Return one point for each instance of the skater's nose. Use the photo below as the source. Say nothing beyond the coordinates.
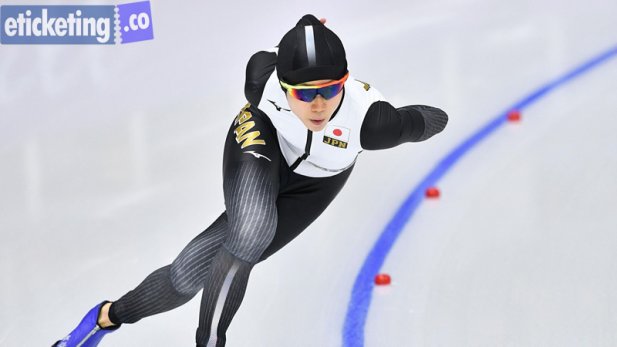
(318, 104)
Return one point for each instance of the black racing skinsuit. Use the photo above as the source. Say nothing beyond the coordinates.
(267, 206)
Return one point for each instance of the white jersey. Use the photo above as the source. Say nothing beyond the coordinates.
(331, 150)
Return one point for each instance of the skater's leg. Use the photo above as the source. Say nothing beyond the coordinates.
(300, 202)
(251, 189)
(154, 295)
(173, 285)
(103, 319)
(222, 297)
(251, 181)
(163, 290)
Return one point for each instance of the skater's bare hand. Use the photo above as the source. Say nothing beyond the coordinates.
(322, 20)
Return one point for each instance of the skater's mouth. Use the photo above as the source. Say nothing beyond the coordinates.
(317, 122)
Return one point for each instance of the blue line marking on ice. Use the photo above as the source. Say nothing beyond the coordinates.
(361, 294)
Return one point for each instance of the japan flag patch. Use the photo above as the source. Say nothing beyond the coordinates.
(336, 136)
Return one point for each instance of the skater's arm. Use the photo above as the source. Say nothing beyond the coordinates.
(258, 70)
(385, 126)
(250, 184)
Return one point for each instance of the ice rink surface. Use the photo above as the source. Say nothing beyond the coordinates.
(110, 162)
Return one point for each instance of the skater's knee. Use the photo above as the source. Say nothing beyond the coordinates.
(190, 268)
(186, 281)
(249, 246)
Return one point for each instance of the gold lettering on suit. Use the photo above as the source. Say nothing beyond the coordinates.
(242, 131)
(366, 85)
(334, 142)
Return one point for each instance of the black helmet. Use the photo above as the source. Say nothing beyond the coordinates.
(310, 52)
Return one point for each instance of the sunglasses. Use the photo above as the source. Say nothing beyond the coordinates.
(309, 93)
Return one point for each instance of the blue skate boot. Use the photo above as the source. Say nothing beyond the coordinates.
(88, 333)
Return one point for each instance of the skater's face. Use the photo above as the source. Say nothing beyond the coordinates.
(314, 114)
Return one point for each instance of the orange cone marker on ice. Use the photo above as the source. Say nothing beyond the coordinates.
(382, 279)
(514, 116)
(432, 193)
